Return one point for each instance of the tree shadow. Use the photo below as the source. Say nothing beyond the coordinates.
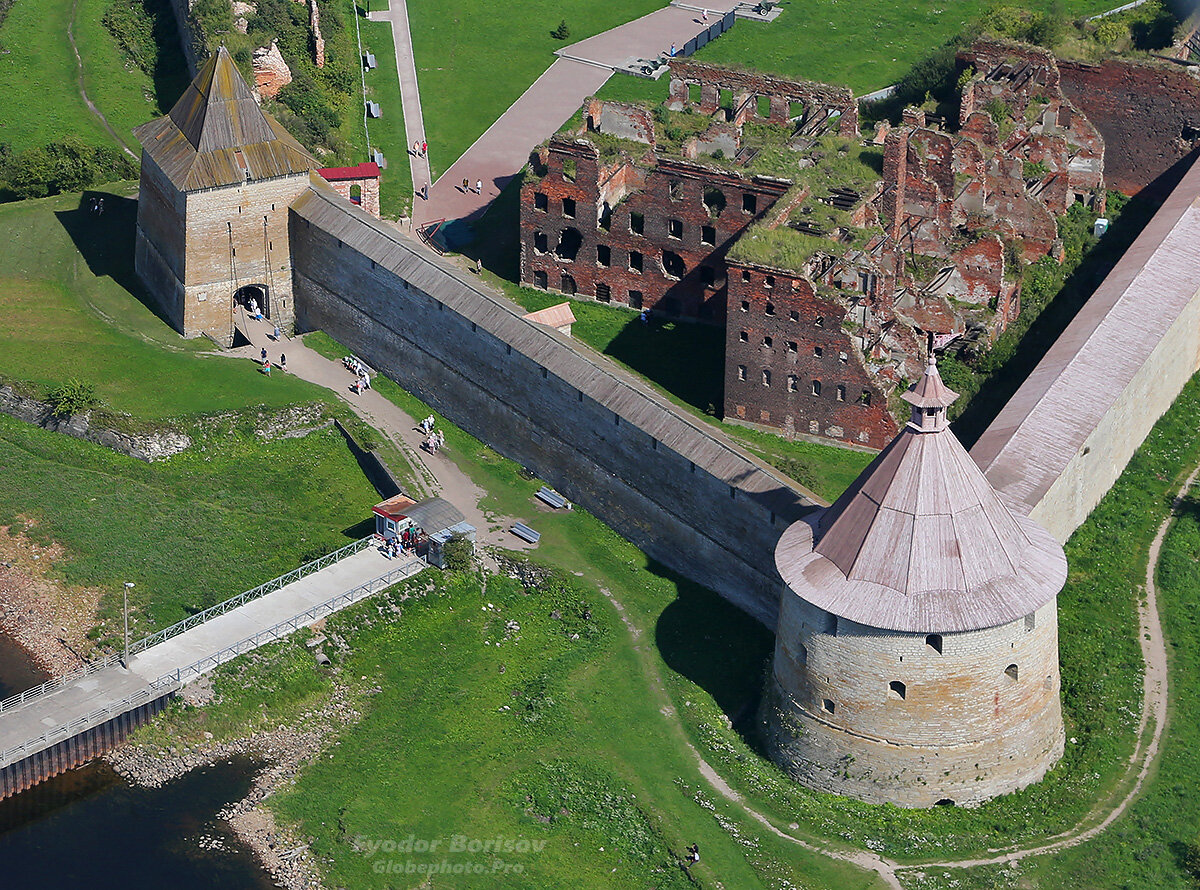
(106, 241)
(715, 645)
(170, 75)
(1000, 386)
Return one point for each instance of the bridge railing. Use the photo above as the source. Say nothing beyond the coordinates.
(152, 692)
(56, 683)
(291, 625)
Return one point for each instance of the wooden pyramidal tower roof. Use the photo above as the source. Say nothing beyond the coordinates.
(921, 542)
(216, 135)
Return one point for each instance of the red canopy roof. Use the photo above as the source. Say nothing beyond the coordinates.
(365, 170)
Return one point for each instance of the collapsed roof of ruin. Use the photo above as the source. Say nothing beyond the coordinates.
(920, 542)
(216, 135)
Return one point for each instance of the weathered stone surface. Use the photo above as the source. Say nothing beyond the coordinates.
(271, 73)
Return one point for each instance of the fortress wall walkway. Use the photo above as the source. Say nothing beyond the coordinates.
(1068, 432)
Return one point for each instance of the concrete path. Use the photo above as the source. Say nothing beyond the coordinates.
(436, 474)
(581, 69)
(410, 95)
(110, 686)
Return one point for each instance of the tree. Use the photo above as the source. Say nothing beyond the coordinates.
(458, 554)
(562, 32)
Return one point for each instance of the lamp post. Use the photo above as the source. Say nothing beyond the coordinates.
(125, 651)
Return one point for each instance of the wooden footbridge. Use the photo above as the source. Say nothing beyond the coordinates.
(72, 719)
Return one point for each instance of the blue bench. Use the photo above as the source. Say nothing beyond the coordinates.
(525, 533)
(552, 497)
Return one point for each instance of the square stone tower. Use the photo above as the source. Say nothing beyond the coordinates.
(218, 175)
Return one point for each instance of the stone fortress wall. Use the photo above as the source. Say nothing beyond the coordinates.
(955, 717)
(665, 481)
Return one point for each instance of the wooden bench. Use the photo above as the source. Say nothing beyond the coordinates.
(552, 497)
(525, 533)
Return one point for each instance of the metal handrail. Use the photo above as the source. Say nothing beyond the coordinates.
(56, 683)
(291, 625)
(151, 692)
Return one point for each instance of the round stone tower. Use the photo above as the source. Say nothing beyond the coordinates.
(916, 655)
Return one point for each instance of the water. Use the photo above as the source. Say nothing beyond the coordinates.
(89, 828)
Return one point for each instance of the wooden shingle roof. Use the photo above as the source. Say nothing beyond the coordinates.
(216, 135)
(921, 542)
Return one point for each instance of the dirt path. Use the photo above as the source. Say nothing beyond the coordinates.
(436, 474)
(83, 93)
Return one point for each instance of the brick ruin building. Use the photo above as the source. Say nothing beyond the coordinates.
(750, 200)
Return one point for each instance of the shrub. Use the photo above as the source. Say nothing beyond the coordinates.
(458, 554)
(562, 32)
(1110, 33)
(74, 396)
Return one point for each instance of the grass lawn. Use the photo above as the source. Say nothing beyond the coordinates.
(475, 59)
(39, 90)
(387, 133)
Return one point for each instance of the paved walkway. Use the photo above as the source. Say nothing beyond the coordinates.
(581, 69)
(410, 95)
(108, 687)
(437, 474)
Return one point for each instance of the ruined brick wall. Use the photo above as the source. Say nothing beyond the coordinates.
(671, 484)
(681, 246)
(1148, 114)
(620, 119)
(748, 85)
(790, 366)
(964, 730)
(367, 195)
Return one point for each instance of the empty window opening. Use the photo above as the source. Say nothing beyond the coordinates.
(674, 228)
(540, 242)
(744, 336)
(769, 282)
(604, 255)
(603, 293)
(635, 261)
(768, 342)
(675, 189)
(934, 642)
(749, 204)
(569, 208)
(708, 276)
(673, 264)
(944, 802)
(745, 275)
(605, 219)
(540, 201)
(770, 310)
(843, 358)
(1030, 622)
(539, 280)
(635, 299)
(792, 382)
(1189, 133)
(745, 305)
(708, 235)
(864, 398)
(569, 243)
(818, 351)
(763, 106)
(897, 689)
(816, 387)
(819, 321)
(793, 315)
(570, 168)
(766, 377)
(841, 393)
(637, 223)
(792, 346)
(568, 285)
(714, 201)
(1011, 672)
(827, 705)
(741, 372)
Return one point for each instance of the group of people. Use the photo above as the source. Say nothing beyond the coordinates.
(420, 148)
(434, 440)
(466, 186)
(254, 310)
(402, 543)
(266, 362)
(97, 206)
(362, 379)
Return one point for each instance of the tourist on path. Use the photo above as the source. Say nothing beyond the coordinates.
(263, 357)
(424, 148)
(479, 186)
(283, 362)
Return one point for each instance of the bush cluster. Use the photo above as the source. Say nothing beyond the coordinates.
(70, 165)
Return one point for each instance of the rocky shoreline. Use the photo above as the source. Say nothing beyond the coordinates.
(283, 750)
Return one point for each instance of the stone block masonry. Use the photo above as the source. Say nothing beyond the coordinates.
(673, 487)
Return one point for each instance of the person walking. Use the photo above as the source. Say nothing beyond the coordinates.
(424, 148)
(425, 192)
(283, 362)
(263, 357)
(479, 186)
(276, 333)
(466, 185)
(266, 367)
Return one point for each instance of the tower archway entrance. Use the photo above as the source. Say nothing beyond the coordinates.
(251, 296)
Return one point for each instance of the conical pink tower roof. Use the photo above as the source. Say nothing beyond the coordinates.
(921, 542)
